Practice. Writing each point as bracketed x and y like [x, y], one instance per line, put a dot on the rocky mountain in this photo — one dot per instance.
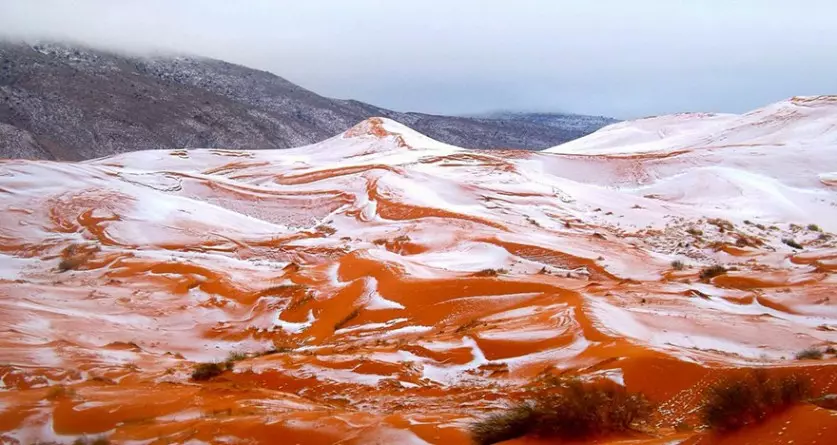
[71, 103]
[564, 121]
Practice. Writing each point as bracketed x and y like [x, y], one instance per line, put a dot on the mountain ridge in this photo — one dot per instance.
[65, 102]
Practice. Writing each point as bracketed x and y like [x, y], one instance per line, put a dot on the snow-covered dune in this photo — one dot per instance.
[383, 287]
[795, 122]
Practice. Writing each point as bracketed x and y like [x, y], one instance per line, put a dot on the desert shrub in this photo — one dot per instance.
[750, 398]
[683, 427]
[88, 441]
[813, 227]
[345, 320]
[811, 353]
[722, 224]
[490, 272]
[743, 240]
[236, 356]
[790, 242]
[60, 392]
[274, 350]
[570, 410]
[712, 271]
[71, 263]
[761, 227]
[694, 232]
[505, 425]
[830, 350]
[206, 371]
[677, 265]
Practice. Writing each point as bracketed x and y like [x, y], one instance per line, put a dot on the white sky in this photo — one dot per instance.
[623, 58]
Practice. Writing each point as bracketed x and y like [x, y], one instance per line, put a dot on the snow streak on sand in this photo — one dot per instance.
[382, 287]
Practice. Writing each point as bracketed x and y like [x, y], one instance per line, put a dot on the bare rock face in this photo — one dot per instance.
[71, 103]
[17, 143]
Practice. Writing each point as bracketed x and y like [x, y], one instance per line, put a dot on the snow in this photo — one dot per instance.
[654, 134]
[569, 229]
[11, 268]
[449, 375]
[292, 327]
[804, 120]
[375, 301]
[466, 257]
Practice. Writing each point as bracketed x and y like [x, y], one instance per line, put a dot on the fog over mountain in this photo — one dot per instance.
[609, 57]
[69, 102]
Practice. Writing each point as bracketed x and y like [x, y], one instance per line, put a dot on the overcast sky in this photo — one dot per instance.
[623, 58]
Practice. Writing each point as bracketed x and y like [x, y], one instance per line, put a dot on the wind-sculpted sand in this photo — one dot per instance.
[384, 288]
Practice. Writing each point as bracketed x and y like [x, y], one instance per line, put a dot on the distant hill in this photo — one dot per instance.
[563, 121]
[70, 103]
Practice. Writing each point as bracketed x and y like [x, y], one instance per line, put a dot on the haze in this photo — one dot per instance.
[607, 57]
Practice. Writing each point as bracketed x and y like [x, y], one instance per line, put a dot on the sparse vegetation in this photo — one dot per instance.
[60, 392]
[677, 265]
[694, 232]
[830, 350]
[274, 350]
[467, 326]
[490, 272]
[236, 356]
[743, 240]
[814, 228]
[750, 398]
[206, 371]
[683, 427]
[811, 353]
[761, 227]
[88, 441]
[571, 410]
[515, 422]
[712, 271]
[345, 320]
[722, 224]
[71, 263]
[790, 242]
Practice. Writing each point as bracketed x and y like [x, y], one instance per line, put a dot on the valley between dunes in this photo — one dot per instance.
[381, 287]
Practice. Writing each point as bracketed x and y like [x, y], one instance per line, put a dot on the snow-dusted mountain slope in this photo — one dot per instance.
[383, 287]
[65, 102]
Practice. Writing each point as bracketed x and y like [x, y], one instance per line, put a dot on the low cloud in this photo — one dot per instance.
[619, 58]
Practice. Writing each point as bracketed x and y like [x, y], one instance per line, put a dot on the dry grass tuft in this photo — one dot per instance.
[790, 242]
[88, 441]
[722, 224]
[712, 272]
[750, 398]
[811, 353]
[206, 371]
[570, 410]
[345, 320]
